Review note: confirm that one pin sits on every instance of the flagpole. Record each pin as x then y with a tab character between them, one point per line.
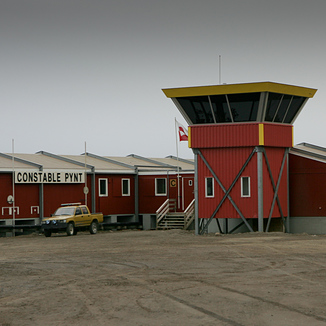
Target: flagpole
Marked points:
177	146
13	187
85	189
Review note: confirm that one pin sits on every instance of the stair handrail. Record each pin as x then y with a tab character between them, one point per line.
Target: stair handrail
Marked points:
162	211
189	214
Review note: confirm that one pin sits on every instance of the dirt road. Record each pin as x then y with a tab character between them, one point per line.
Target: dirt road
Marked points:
163	278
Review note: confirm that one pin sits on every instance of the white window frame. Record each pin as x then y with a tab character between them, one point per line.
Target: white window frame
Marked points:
242	187
160	194
128	193
206	189
106	194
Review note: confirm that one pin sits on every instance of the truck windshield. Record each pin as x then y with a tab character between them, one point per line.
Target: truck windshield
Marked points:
64	211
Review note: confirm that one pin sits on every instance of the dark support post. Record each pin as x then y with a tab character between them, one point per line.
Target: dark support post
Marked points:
260	189
226	225
93	209
287	227
136	196
196	193
41	201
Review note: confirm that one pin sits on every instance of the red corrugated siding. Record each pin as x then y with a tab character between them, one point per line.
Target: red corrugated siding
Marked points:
149	203
277	135
57	194
115	203
25	195
307	182
226	135
275	157
240	135
226	163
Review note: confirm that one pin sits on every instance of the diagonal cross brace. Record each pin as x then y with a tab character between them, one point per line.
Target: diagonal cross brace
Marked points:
275	197
227	192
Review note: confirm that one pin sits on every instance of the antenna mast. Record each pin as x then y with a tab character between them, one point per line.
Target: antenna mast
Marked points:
220	68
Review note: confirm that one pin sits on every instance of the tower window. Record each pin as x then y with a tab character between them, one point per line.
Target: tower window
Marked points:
245	187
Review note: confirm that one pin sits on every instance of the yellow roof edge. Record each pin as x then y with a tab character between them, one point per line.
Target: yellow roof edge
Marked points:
240	88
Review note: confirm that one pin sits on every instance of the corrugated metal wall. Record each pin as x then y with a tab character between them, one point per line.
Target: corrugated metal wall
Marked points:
114	203
275	158
307	182
241	135
226	163
226	135
149	203
278	135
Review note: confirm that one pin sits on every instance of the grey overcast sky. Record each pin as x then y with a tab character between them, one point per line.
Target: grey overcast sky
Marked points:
92	70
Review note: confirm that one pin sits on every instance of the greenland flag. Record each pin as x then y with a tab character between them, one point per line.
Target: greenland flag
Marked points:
182	131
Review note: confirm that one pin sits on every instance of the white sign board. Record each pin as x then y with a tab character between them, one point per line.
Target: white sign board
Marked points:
49	177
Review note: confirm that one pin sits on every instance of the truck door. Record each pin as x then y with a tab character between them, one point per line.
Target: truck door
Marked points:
86	216
79	220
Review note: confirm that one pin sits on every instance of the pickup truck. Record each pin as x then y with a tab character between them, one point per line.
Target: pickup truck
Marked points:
70	218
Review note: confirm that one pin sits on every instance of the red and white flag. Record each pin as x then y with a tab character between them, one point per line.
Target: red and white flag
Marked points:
182	131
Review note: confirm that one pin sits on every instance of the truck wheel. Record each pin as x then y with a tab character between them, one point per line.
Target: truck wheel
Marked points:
70	229
93	227
47	233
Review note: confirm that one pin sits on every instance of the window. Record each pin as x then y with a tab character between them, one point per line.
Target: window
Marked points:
103	187
200	109
295	106
244	107
245	186
220	108
209	187
190	183
125	187
160	187
274	101
197	108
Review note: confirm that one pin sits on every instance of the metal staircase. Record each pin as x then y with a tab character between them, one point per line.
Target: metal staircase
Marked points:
168	218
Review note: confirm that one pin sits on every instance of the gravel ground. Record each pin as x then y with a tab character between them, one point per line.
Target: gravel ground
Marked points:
163	278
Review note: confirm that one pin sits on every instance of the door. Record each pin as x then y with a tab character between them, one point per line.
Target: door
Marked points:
188	192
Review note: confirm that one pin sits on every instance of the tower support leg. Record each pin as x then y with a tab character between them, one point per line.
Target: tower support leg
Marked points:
260	189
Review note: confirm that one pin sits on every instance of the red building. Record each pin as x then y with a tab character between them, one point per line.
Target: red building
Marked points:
241	135
307	179
125	189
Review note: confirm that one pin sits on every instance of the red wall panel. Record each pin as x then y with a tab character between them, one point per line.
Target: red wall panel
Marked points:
275	157
149	203
57	194
240	135
307	182
278	135
226	135
226	163
25	197
115	203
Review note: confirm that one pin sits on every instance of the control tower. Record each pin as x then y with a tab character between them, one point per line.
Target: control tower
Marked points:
240	135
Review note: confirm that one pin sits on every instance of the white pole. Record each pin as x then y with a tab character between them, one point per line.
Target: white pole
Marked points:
85	191
13	187
220	67
177	146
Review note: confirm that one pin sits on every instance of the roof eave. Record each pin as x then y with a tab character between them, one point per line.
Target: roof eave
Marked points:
239	89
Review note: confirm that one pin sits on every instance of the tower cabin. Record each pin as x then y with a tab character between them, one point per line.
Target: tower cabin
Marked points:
241	135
